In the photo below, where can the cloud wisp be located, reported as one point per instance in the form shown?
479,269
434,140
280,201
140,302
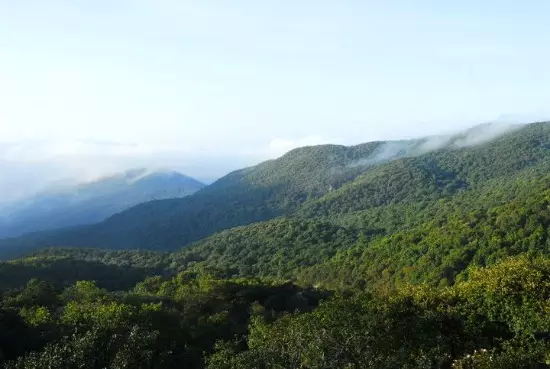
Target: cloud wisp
477,135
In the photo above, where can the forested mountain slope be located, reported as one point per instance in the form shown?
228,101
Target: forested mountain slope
438,173
278,248
381,248
322,181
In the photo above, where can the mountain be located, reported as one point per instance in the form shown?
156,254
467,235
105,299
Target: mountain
72,205
327,181
431,253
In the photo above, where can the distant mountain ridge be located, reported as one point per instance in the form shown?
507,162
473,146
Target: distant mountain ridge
72,205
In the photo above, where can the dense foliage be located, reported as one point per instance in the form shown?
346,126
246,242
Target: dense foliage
498,318
159,323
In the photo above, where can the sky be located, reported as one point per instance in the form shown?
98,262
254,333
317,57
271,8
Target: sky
205,87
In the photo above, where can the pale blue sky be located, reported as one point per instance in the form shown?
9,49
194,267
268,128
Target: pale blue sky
200,82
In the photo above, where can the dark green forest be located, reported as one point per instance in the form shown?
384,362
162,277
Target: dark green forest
328,257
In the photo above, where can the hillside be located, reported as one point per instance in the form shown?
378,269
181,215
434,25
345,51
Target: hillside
323,181
379,248
92,202
269,190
